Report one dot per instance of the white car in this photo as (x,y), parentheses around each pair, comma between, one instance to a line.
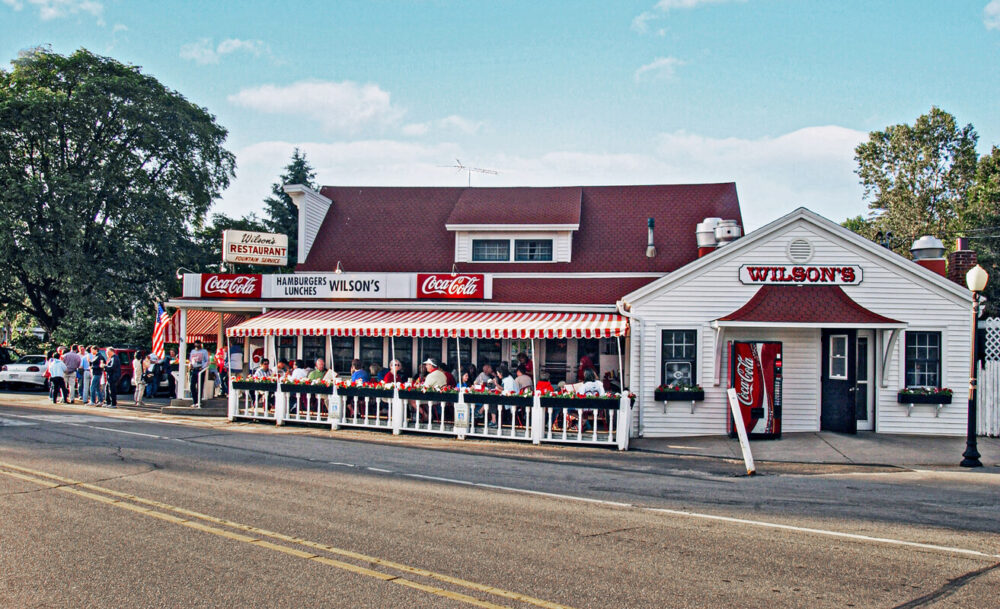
(29,370)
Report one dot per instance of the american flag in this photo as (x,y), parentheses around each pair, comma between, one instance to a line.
(162,319)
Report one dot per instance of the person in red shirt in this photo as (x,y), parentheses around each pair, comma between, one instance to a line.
(544,384)
(523,359)
(395,373)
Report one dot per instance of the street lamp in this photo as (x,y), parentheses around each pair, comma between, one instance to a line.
(976,279)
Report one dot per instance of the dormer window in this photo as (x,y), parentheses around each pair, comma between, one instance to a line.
(533,250)
(515,225)
(525,250)
(490,250)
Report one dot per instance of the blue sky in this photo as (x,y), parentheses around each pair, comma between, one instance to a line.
(771,94)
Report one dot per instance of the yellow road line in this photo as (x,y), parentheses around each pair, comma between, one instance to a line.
(74,487)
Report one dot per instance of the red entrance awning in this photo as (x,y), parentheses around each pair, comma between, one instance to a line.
(820,306)
(464,324)
(201,325)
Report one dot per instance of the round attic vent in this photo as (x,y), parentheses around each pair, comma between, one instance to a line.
(800,250)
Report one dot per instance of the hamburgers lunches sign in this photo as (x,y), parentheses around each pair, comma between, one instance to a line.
(244,247)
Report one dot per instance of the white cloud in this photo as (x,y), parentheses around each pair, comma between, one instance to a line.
(453,122)
(991,15)
(641,22)
(119,27)
(811,167)
(460,123)
(661,67)
(204,51)
(416,129)
(339,106)
(55,9)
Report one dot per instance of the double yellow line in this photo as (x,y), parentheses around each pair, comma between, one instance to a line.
(258,537)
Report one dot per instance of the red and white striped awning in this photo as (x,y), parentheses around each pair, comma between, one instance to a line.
(464,324)
(201,325)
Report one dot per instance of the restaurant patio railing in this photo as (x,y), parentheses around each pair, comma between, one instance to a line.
(600,421)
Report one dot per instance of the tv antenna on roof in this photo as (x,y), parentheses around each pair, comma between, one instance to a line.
(469,170)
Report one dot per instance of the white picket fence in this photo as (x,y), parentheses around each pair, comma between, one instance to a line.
(523,419)
(988,384)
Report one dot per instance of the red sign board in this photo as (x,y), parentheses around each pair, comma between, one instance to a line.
(755,373)
(231,286)
(445,286)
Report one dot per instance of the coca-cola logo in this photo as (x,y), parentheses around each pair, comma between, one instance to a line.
(231,286)
(744,371)
(446,286)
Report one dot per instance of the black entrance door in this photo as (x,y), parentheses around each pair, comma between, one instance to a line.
(839,376)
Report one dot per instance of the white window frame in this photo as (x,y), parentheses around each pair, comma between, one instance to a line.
(846,358)
(699,368)
(901,346)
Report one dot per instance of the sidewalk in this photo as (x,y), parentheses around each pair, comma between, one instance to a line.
(866,448)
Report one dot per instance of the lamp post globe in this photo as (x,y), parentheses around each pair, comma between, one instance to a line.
(976,280)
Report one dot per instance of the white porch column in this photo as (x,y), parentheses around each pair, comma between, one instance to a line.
(182,356)
(624,421)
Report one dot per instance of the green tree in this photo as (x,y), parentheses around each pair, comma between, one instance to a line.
(208,243)
(282,214)
(917,178)
(102,170)
(981,220)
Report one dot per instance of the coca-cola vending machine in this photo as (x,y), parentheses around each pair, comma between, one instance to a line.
(755,373)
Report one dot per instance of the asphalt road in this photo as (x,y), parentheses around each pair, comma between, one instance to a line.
(132,511)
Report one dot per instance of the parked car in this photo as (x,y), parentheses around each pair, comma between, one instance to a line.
(28,370)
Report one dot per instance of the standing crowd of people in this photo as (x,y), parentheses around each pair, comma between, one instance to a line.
(94,375)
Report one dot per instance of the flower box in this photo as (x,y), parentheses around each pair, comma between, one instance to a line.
(679,396)
(428,396)
(495,399)
(923,398)
(583,402)
(268,386)
(304,388)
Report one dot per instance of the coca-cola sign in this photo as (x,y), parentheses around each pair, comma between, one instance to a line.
(445,286)
(231,286)
(756,377)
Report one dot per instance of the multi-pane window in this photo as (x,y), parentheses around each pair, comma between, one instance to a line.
(490,250)
(286,348)
(428,347)
(313,348)
(342,352)
(678,351)
(838,357)
(403,347)
(370,350)
(533,250)
(453,359)
(923,359)
(488,351)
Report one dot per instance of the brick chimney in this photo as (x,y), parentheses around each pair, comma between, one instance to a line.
(960,261)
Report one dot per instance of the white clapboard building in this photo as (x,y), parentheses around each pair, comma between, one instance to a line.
(857,323)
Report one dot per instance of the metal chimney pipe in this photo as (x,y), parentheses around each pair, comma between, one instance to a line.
(650,248)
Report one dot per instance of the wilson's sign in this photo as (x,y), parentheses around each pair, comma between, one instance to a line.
(244,247)
(752,274)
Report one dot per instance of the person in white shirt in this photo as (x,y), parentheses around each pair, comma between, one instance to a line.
(298,371)
(57,376)
(591,385)
(264,371)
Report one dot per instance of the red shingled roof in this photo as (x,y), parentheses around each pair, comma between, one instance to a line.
(805,304)
(517,206)
(402,229)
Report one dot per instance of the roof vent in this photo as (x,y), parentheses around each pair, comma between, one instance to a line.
(705,232)
(800,250)
(727,231)
(927,247)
